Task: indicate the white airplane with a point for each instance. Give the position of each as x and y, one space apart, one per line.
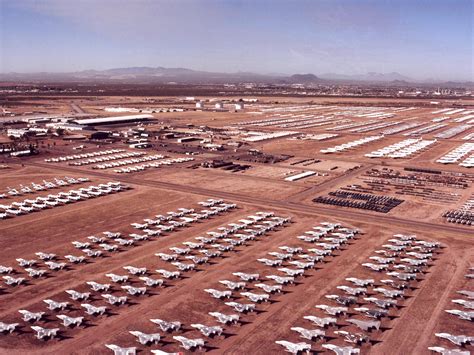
196 259
445 351
233 285
311 258
461 314
115 300
167 257
8 327
281 256
151 282
167 326
322 322
169 274
291 272
344 300
302 265
135 291
42 333
70 321
6 269
97 240
117 278
93 310
459 340
355 291
31 316
341 350
389 293
45 256
256 297
334 311
146 339
53 305
55 266
382 303
309 334
183 266
246 277
208 331
270 288
75 259
365 325
13 281
295 348
291 250
320 252
108 247
218 294
180 251
360 282
35 272
121 351
464 303
188 343
282 280
402 276
82 296
23 262
356 338
241 307
81 245
414 262
92 253
372 313
125 242
136 270
394 284
468 294
375 267
225 318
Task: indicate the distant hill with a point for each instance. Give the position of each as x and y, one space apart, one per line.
371 77
304 78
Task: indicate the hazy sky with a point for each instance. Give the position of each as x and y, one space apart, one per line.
418 38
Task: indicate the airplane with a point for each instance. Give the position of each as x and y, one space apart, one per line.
334 311
291 250
210 254
225 318
256 297
23 262
167 257
246 277
414 262
389 293
360 282
188 343
218 294
151 282
421 256
283 280
42 333
80 245
53 305
381 302
292 272
402 276
146 339
309 334
135 270
117 278
295 348
428 244
468 294
125 242
444 351
460 340
270 288
392 283
196 259
344 300
461 314
381 260
55 266
167 326
372 313
341 350
92 253
355 291
35 272
169 274
93 310
208 331
356 338
233 285
8 327
115 300
180 251
13 281
396 248
375 267
108 247
70 321
82 296
302 265
464 303
45 256
75 259
312 258
31 316
139 237
322 322
121 351
183 266
134 291
281 256
365 325
96 240
241 307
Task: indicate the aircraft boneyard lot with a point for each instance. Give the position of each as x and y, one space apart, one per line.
186 254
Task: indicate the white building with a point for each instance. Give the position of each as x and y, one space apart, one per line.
199 105
239 106
219 105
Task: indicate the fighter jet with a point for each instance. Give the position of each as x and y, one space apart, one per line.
256 297
444 351
125 242
117 278
95 239
283 280
31 316
291 272
13 281
328 246
394 247
360 282
196 259
334 311
365 325
389 293
295 348
461 314
81 245
372 313
167 257
309 334
189 344
402 276
355 291
121 351
93 310
45 256
151 282
464 303
291 250
82 296
281 256
344 300
270 262
246 277
381 260
341 350
414 262
208 331
134 291
233 285
70 321
320 252
8 327
55 266
375 267
35 272
355 338
169 274
146 339
218 294
23 262
115 300
75 259
459 340
6 269
42 333
468 294
302 265
225 318
139 237
322 322
311 258
108 247
394 284
183 266
180 251
381 302
167 326
428 244
241 307
135 270
54 306
210 254
270 288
